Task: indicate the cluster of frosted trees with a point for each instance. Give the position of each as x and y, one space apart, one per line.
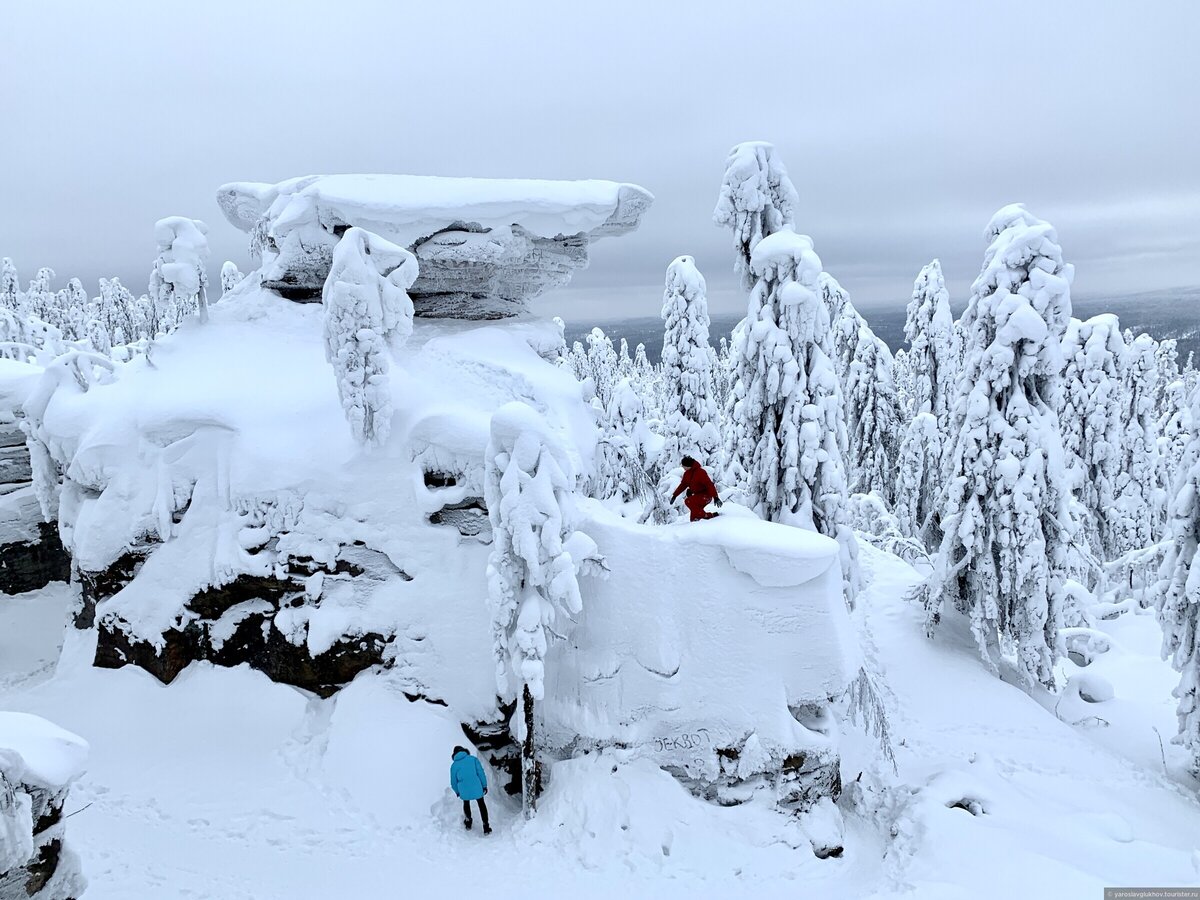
1030 459
41 323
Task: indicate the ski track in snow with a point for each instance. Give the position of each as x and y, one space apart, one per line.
226 785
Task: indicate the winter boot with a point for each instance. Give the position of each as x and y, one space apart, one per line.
487 829
467 823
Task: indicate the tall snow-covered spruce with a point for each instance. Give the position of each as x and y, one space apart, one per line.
786 439
1094 358
757 199
1179 593
1006 518
689 406
533 589
367 311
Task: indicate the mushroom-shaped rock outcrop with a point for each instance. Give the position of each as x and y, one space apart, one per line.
485 246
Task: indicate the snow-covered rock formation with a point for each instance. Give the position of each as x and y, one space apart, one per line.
218 506
38 762
485 246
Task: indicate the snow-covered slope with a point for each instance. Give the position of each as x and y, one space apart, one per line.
226 784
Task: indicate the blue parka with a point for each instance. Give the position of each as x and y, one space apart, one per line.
466 776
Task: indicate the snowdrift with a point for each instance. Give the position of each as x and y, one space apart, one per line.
38 763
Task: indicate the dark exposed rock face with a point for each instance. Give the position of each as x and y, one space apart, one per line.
97 586
52 873
469 516
249 637
31 553
29 565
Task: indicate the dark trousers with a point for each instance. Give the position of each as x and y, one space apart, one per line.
482 811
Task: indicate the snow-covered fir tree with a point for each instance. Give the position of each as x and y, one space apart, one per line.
872 418
367 311
845 326
1179 593
40 299
1094 358
918 481
230 277
179 278
925 386
533 588
1003 559
10 284
1138 497
928 328
757 199
689 407
786 433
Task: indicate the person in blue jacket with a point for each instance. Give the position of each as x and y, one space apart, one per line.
469 783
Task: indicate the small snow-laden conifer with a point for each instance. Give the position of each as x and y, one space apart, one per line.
1006 519
1094 358
1166 358
367 313
1174 429
689 405
179 278
903 377
1179 593
918 481
75 302
929 329
872 418
1138 497
786 440
98 337
230 277
844 326
537 555
40 299
10 284
757 199
603 365
628 450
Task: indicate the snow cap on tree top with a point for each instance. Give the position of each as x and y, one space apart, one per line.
757 199
784 247
684 277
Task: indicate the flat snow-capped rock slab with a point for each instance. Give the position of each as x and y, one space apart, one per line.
39 753
404 208
485 245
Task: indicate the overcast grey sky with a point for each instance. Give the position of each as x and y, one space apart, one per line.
903 125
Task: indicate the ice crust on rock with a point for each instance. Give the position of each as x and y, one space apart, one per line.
485 246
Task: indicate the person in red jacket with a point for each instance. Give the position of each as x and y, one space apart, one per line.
700 490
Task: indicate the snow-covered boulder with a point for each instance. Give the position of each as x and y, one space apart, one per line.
38 762
485 246
713 648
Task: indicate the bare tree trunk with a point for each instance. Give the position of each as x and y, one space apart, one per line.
531 769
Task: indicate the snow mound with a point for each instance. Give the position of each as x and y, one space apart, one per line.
38 753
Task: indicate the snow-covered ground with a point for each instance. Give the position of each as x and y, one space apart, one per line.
225 784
